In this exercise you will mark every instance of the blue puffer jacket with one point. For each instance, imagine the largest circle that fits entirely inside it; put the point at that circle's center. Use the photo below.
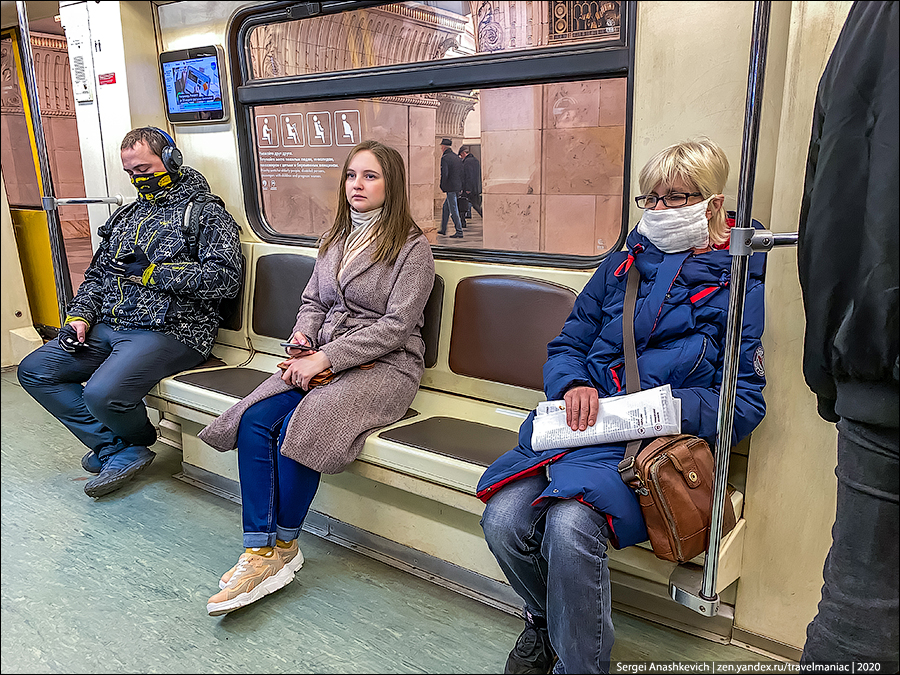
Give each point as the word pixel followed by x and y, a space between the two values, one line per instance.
pixel 679 326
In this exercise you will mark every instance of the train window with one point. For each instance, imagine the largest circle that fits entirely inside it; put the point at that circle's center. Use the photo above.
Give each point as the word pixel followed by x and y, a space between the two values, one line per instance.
pixel 407 32
pixel 550 160
pixel 549 123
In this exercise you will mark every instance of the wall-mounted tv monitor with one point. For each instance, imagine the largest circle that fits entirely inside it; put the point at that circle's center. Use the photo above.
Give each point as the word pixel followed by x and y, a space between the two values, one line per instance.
pixel 193 80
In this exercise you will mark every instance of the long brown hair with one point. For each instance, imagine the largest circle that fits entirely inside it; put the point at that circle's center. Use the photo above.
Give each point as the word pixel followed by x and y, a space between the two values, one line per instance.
pixel 396 224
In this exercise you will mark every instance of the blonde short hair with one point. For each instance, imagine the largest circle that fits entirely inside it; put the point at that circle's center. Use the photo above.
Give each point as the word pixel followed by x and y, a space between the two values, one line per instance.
pixel 699 163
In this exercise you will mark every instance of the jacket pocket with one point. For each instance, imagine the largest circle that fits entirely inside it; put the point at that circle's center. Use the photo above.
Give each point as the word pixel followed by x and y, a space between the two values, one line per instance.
pixel 699 358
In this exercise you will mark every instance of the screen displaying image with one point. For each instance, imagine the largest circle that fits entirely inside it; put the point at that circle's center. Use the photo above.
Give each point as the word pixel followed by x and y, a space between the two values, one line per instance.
pixel 193 85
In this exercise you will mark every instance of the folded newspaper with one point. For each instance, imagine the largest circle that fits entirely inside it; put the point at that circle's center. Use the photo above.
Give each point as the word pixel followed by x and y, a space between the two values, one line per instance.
pixel 645 414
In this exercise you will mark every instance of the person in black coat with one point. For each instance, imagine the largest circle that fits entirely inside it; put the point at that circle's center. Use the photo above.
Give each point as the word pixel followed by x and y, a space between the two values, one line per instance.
pixel 470 197
pixel 451 184
pixel 848 266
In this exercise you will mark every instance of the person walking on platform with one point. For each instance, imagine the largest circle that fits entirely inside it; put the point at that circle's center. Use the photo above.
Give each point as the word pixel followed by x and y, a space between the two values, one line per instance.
pixel 451 184
pixel 148 308
pixel 849 263
pixel 471 190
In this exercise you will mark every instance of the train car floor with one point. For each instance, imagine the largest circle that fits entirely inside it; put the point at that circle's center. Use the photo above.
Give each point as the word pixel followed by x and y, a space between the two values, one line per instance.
pixel 120 583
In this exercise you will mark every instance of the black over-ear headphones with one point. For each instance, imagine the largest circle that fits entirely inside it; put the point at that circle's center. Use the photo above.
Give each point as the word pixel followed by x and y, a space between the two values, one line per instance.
pixel 171 156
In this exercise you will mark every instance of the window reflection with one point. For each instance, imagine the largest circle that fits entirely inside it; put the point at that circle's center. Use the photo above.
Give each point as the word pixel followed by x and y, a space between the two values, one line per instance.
pixel 415 32
pixel 551 159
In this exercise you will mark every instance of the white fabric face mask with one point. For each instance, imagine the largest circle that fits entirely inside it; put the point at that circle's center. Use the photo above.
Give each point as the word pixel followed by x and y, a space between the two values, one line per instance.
pixel 677 230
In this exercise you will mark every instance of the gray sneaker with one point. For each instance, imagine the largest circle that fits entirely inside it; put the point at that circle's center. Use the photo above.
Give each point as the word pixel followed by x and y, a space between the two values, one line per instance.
pixel 118 469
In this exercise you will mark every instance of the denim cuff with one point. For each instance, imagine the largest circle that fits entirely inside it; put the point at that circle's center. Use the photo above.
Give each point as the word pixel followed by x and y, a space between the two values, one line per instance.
pixel 258 539
pixel 287 534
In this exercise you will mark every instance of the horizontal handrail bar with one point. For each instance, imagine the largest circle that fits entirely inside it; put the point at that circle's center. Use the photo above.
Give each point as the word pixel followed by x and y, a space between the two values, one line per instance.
pixel 50 203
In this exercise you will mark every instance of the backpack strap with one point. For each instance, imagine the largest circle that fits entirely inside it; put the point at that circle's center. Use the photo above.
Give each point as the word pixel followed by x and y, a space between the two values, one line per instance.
pixel 118 214
pixel 192 211
pixel 196 204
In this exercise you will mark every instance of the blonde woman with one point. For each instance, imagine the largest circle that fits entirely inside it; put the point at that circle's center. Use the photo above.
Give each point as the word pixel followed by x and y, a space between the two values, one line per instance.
pixel 551 515
pixel 356 367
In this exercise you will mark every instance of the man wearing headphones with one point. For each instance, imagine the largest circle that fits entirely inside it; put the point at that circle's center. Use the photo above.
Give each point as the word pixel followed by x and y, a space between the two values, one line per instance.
pixel 148 308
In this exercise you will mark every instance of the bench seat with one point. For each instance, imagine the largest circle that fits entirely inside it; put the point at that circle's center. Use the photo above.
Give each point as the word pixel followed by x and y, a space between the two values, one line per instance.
pixel 448 451
pixel 414 482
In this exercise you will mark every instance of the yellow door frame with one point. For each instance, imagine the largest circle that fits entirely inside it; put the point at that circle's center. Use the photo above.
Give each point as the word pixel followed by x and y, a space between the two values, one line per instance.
pixel 32 226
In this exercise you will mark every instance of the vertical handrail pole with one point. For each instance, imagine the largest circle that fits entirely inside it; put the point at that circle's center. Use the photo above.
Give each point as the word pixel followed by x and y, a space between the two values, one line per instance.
pixel 739 266
pixel 57 246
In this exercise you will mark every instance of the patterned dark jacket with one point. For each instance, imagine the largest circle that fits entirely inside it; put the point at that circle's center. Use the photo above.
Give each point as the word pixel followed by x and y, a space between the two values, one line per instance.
pixel 183 287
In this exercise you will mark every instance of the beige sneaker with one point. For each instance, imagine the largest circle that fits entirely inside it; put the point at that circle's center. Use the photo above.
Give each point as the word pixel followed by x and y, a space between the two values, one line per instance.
pixel 254 577
pixel 291 556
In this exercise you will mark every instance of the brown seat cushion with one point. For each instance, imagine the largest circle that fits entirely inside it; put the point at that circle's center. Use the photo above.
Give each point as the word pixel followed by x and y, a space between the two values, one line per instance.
pixel 212 362
pixel 461 439
pixel 278 286
pixel 237 382
pixel 501 327
pixel 431 331
pixel 230 309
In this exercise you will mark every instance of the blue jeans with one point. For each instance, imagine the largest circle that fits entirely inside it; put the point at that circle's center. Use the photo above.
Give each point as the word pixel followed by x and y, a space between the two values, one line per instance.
pixel 858 617
pixel 554 556
pixel 276 491
pixel 117 368
pixel 450 209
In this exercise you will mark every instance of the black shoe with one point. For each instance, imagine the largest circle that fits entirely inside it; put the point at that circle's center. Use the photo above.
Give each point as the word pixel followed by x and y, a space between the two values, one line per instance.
pixel 458 235
pixel 532 653
pixel 91 462
pixel 118 469
pixel 442 231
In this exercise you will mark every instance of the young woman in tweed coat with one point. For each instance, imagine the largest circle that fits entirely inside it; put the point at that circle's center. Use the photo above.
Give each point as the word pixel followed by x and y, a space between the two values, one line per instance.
pixel 363 306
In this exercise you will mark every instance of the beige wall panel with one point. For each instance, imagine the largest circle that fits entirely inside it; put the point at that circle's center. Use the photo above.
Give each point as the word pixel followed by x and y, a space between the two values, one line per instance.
pixel 685 88
pixel 511 162
pixel 516 222
pixel 793 455
pixel 571 104
pixel 607 223
pixel 510 108
pixel 209 148
pixel 424 524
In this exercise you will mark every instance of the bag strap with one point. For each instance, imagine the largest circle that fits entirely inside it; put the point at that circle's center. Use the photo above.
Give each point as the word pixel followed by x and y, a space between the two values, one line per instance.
pixel 192 211
pixel 632 374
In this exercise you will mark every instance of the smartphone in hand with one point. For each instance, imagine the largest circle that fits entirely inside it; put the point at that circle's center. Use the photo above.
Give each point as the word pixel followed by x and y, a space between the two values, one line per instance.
pixel 294 345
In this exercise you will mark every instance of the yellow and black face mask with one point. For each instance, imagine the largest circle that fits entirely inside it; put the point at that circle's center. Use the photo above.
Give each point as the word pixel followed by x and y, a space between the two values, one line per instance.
pixel 152 186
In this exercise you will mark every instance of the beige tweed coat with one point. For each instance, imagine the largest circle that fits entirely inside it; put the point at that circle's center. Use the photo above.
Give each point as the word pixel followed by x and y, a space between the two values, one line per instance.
pixel 375 314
